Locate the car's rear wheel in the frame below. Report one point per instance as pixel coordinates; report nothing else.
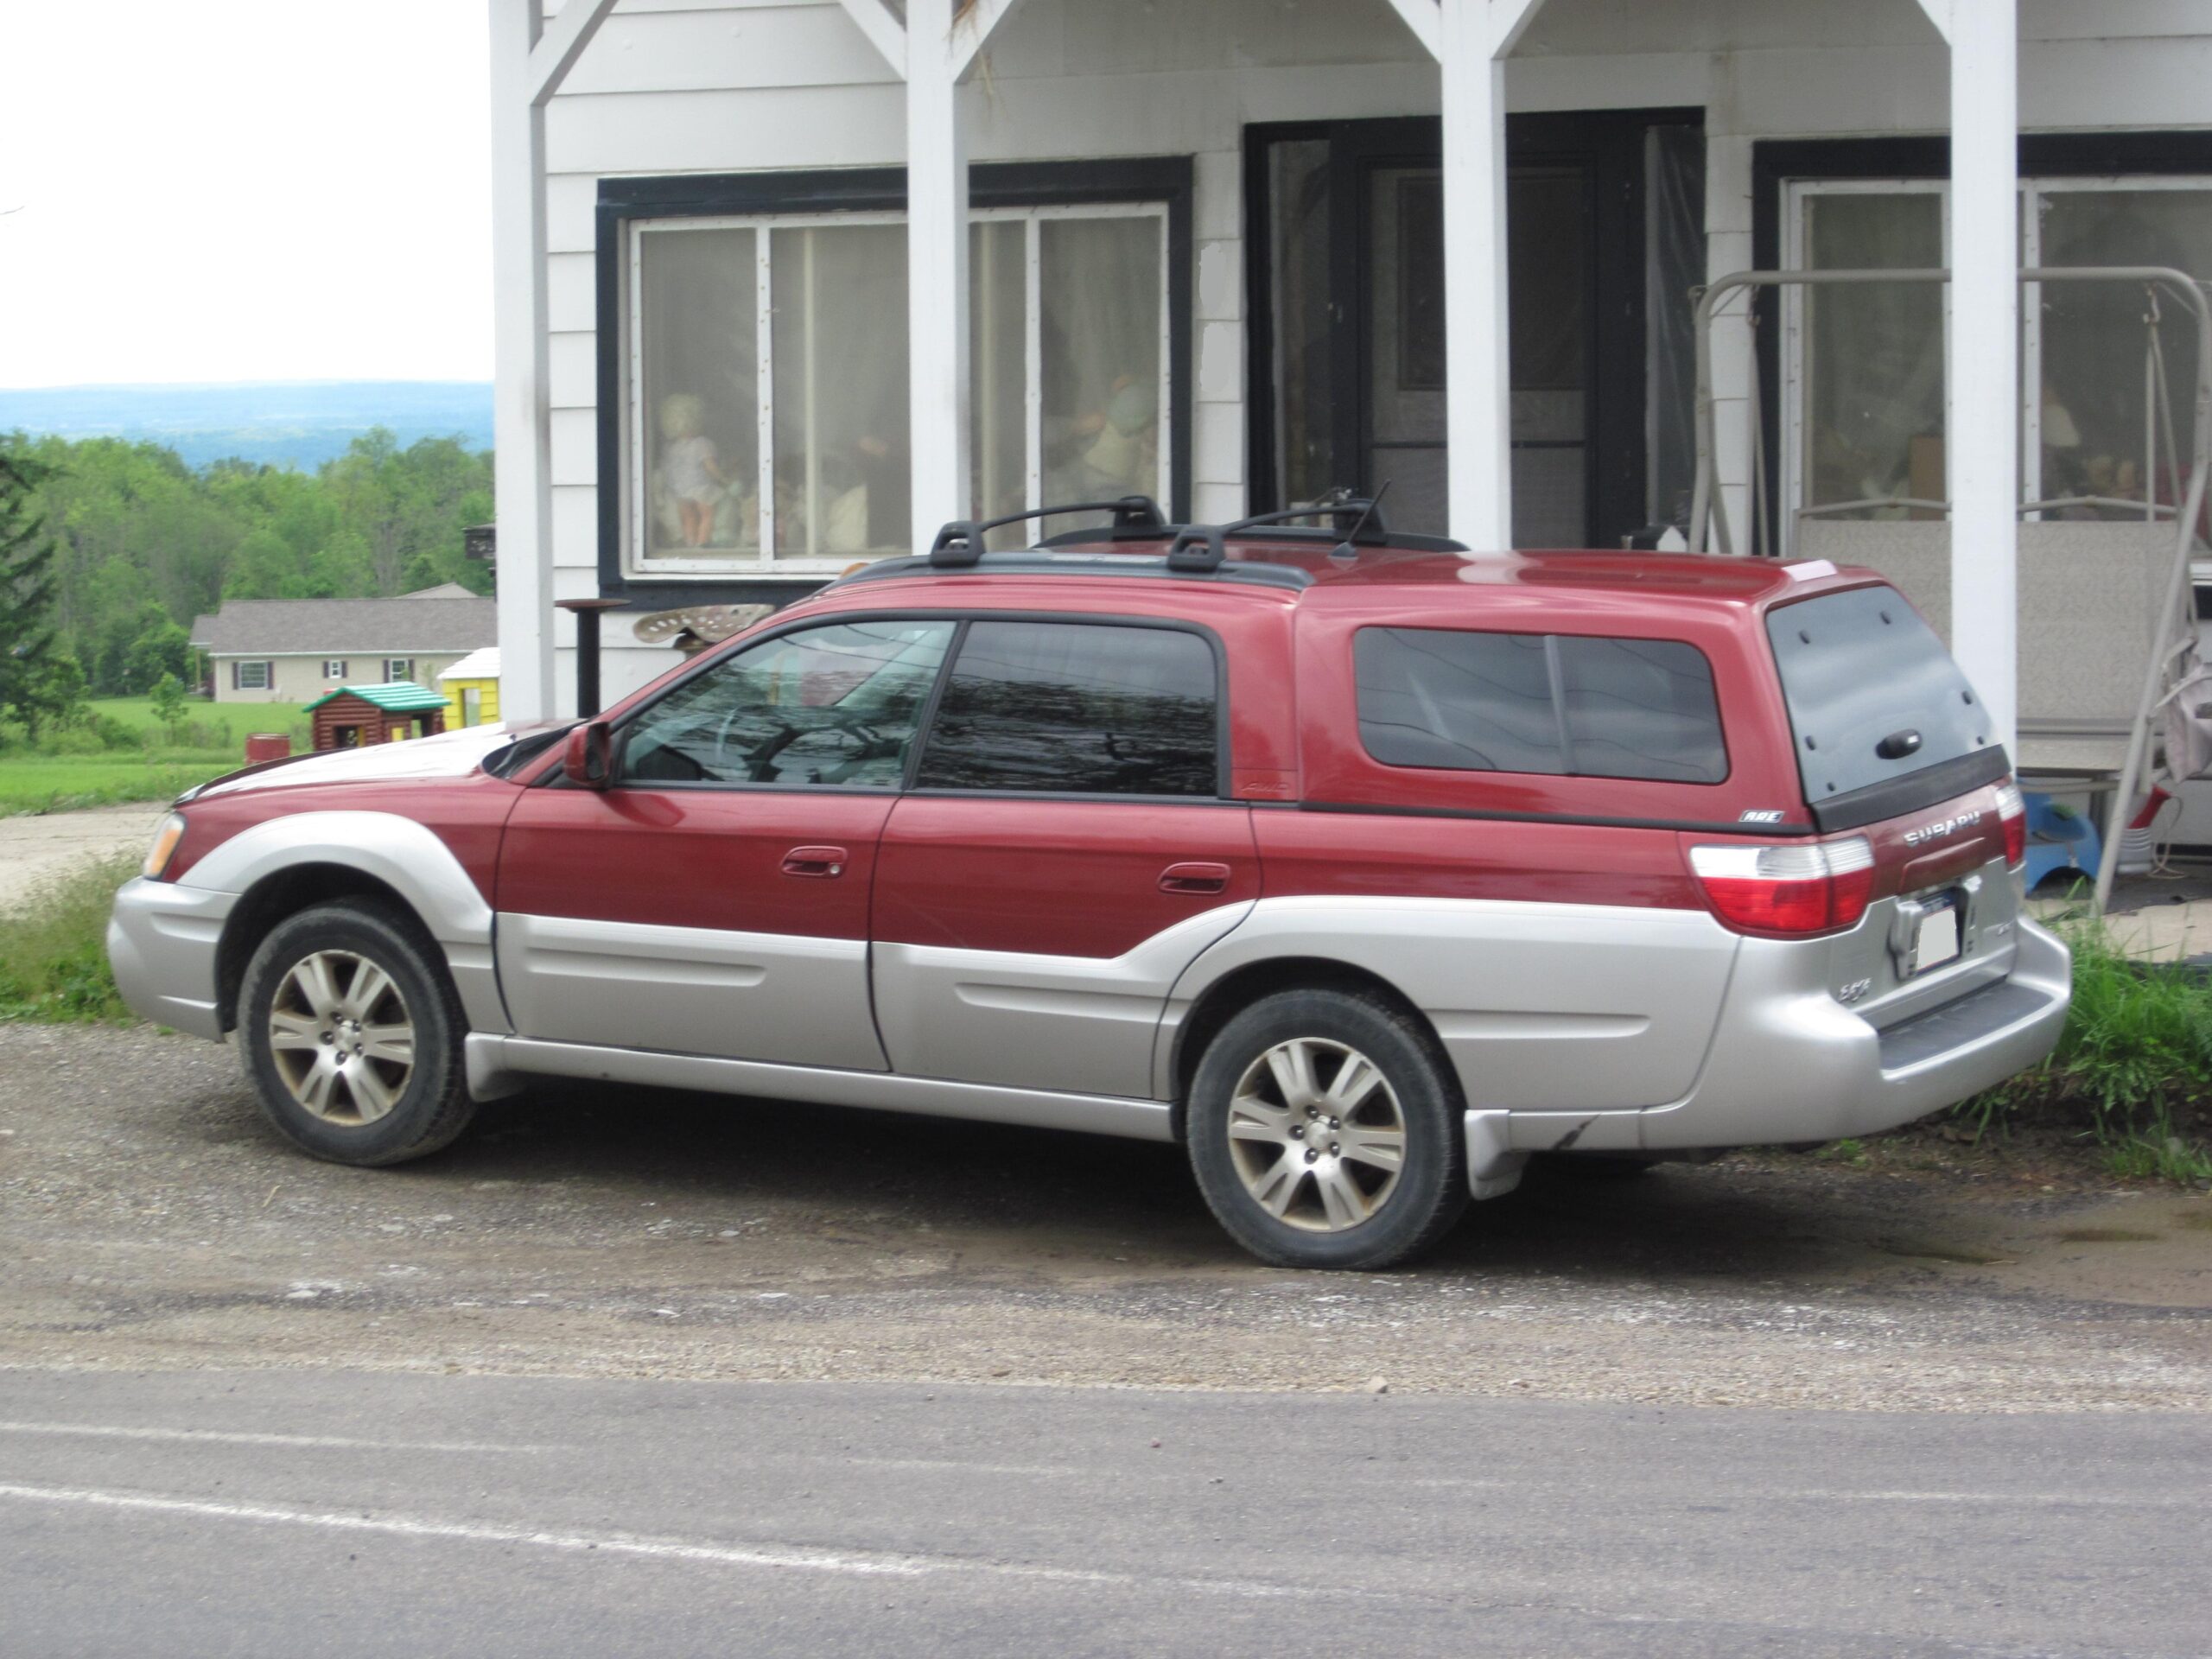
(351, 1035)
(1325, 1132)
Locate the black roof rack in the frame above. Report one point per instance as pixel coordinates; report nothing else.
(960, 543)
(1358, 521)
(1039, 563)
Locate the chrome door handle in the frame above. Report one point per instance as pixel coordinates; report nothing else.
(1194, 878)
(816, 861)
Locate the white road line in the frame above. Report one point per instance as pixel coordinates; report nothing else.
(857, 1563)
(1056, 1471)
(2036, 1500)
(118, 1431)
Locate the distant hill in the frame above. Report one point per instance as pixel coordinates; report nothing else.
(278, 423)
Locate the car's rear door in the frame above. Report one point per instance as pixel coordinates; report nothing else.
(1065, 852)
(714, 899)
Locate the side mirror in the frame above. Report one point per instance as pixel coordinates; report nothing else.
(588, 759)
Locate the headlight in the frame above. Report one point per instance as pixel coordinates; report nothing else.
(164, 847)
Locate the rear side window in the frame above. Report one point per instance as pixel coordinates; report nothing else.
(1074, 707)
(1873, 694)
(1565, 704)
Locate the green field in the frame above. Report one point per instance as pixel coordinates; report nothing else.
(233, 721)
(58, 782)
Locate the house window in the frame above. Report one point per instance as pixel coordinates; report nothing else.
(766, 364)
(1863, 391)
(333, 668)
(252, 676)
(397, 669)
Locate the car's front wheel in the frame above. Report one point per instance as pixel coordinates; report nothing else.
(352, 1034)
(1325, 1132)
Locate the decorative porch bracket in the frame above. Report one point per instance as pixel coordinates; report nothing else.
(1471, 39)
(1982, 372)
(934, 50)
(530, 59)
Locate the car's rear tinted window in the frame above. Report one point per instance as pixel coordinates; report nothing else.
(1862, 673)
(1565, 704)
(1076, 708)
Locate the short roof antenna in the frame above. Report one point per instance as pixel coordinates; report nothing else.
(1344, 549)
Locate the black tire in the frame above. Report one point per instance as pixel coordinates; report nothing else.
(428, 1102)
(1430, 1188)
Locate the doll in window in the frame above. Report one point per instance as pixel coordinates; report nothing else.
(690, 470)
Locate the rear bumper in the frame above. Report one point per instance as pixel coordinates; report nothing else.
(161, 940)
(1788, 1063)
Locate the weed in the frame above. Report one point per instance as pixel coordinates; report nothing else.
(53, 951)
(1845, 1152)
(2168, 1158)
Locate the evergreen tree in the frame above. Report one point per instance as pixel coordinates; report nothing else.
(36, 682)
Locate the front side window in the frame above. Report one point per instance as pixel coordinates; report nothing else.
(1559, 704)
(251, 677)
(828, 707)
(335, 669)
(768, 394)
(1070, 708)
(397, 669)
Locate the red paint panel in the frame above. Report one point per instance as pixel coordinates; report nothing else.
(466, 813)
(1369, 855)
(1056, 878)
(710, 858)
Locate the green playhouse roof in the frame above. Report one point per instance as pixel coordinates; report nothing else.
(397, 697)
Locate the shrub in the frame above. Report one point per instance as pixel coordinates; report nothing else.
(53, 951)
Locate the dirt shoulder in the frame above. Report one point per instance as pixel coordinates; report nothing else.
(148, 1220)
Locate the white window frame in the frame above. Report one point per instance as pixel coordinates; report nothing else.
(268, 671)
(404, 664)
(639, 563)
(1795, 380)
(333, 668)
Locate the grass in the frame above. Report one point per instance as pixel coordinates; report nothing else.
(56, 783)
(53, 952)
(233, 722)
(2132, 1069)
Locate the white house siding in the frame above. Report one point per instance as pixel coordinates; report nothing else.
(675, 86)
(297, 676)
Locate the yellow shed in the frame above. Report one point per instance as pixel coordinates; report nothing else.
(472, 688)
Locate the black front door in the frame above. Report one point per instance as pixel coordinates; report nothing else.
(1347, 346)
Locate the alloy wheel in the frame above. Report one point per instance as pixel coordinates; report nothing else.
(1317, 1136)
(341, 1037)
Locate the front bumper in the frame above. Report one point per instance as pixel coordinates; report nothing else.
(1790, 1063)
(162, 940)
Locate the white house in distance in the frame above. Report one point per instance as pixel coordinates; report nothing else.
(294, 650)
(785, 283)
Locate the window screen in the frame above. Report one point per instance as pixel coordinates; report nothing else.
(1077, 709)
(1556, 704)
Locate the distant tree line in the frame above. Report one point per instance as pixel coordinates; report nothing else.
(140, 543)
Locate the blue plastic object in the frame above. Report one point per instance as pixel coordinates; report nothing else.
(2060, 837)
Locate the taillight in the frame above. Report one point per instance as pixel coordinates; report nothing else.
(1804, 887)
(2012, 813)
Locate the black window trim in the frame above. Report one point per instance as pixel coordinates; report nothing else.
(1551, 638)
(925, 717)
(1165, 180)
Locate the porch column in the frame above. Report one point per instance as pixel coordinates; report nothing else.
(1471, 39)
(522, 431)
(529, 58)
(1982, 377)
(936, 271)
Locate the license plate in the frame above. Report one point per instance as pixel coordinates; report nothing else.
(1938, 939)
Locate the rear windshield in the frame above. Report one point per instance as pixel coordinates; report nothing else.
(1863, 675)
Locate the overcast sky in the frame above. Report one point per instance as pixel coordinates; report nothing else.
(213, 190)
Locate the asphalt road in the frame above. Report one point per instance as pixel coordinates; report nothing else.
(346, 1514)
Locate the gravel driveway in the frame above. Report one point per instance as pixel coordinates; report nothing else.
(36, 847)
(148, 1220)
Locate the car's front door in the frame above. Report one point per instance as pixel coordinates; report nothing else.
(714, 899)
(1065, 853)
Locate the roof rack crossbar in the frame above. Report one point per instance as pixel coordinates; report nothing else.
(1201, 547)
(960, 543)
